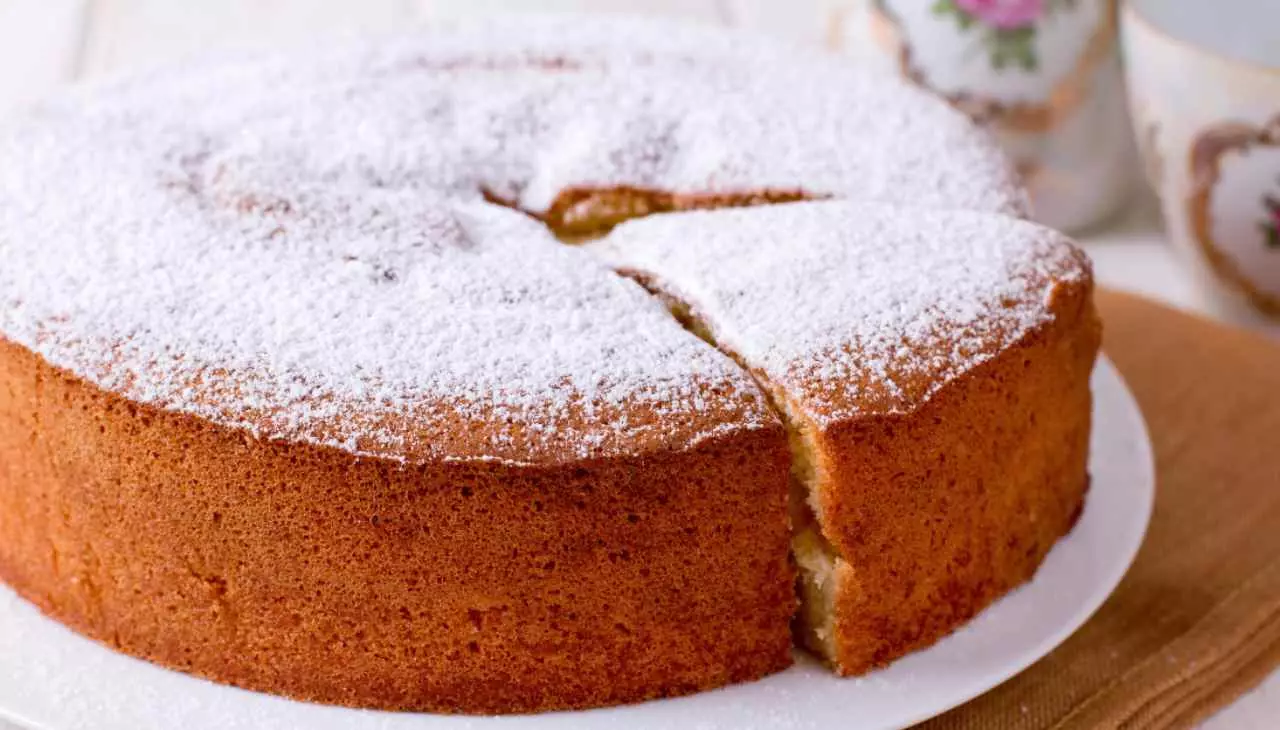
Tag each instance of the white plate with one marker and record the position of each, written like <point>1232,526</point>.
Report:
<point>53,679</point>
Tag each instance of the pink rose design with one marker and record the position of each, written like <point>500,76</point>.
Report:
<point>1004,14</point>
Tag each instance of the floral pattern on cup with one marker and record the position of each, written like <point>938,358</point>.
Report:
<point>1007,27</point>
<point>1215,150</point>
<point>1042,75</point>
<point>1008,33</point>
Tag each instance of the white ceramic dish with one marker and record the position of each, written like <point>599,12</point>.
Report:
<point>52,679</point>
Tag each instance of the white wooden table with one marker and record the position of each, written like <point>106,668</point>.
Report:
<point>46,43</point>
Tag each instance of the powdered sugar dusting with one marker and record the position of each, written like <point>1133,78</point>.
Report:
<point>854,308</point>
<point>300,247</point>
<point>348,317</point>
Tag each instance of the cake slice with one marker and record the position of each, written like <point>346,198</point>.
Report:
<point>933,369</point>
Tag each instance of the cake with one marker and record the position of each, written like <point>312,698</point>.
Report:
<point>305,392</point>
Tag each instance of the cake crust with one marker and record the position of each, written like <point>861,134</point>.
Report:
<point>444,586</point>
<point>938,512</point>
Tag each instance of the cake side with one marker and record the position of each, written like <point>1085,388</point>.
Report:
<point>443,586</point>
<point>929,516</point>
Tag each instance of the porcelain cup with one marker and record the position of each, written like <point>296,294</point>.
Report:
<point>1204,83</point>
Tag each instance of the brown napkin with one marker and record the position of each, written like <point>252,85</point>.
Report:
<point>1196,622</point>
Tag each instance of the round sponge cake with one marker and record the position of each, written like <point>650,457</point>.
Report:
<point>302,393</point>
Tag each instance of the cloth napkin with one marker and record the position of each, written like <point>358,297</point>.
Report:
<point>1196,622</point>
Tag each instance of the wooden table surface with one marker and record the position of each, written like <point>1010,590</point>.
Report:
<point>47,43</point>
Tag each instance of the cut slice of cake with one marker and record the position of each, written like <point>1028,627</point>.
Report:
<point>933,368</point>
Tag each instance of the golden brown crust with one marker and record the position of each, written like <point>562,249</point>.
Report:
<point>938,512</point>
<point>313,573</point>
